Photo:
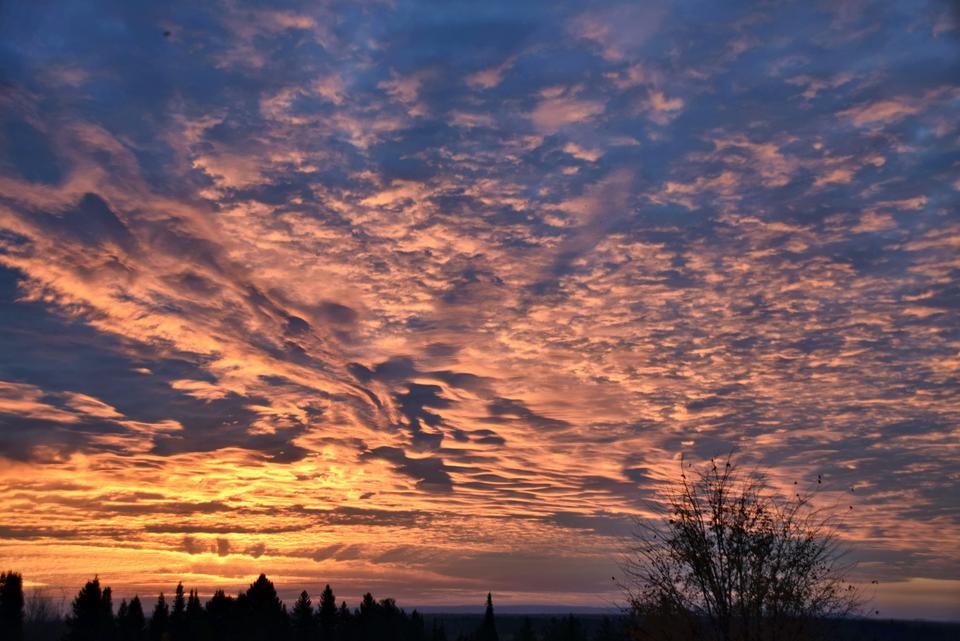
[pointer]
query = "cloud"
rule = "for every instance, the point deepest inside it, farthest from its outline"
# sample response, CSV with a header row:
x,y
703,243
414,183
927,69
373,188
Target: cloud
x,y
619,30
554,113
429,472
581,153
403,300
492,76
891,110
660,108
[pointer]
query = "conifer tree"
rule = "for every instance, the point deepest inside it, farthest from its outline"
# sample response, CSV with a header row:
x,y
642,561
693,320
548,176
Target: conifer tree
x,y
130,620
178,615
11,605
303,621
488,628
221,615
267,616
160,620
91,614
327,614
193,619
344,615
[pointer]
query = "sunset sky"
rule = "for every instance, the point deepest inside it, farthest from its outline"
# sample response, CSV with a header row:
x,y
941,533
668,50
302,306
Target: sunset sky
x,y
429,298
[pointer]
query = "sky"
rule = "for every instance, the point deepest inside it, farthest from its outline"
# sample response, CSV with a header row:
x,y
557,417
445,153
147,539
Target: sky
x,y
430,298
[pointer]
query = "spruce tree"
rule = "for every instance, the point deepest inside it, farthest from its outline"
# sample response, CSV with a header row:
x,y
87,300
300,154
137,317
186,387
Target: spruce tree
x,y
160,621
11,605
267,616
302,619
130,620
488,628
344,615
327,614
221,614
193,618
178,615
91,614
108,625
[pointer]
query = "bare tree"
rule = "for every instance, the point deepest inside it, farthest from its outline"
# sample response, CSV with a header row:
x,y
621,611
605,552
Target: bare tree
x,y
733,561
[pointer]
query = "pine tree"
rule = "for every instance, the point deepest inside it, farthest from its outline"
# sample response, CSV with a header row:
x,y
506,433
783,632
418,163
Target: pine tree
x,y
344,615
160,621
267,614
193,618
108,629
11,605
302,619
130,620
488,628
91,614
368,618
327,614
178,615
222,617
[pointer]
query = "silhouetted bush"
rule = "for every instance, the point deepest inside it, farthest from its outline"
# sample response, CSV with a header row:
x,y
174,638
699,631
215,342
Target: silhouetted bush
x,y
733,561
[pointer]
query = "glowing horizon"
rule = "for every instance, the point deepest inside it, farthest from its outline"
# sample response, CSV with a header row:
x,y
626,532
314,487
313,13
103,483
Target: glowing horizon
x,y
429,299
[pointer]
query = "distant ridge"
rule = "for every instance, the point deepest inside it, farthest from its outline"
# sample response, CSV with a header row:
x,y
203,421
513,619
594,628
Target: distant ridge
x,y
532,609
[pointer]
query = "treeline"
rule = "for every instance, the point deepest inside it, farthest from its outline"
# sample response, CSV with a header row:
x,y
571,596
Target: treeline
x,y
258,614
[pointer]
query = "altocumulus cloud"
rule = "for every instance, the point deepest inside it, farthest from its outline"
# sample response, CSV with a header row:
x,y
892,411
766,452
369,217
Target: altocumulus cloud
x,y
410,294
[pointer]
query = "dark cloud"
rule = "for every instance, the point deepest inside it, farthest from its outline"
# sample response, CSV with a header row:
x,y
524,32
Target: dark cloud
x,y
430,472
504,410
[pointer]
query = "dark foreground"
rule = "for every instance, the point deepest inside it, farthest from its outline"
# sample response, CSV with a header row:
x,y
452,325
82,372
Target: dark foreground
x,y
595,627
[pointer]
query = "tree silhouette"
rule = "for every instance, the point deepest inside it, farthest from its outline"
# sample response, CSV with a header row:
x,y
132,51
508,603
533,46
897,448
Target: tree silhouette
x,y
303,621
222,616
488,628
194,619
178,615
91,617
327,614
160,620
262,611
344,622
131,624
735,562
11,605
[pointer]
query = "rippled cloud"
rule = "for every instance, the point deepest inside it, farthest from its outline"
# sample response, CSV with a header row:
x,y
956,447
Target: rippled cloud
x,y
429,299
